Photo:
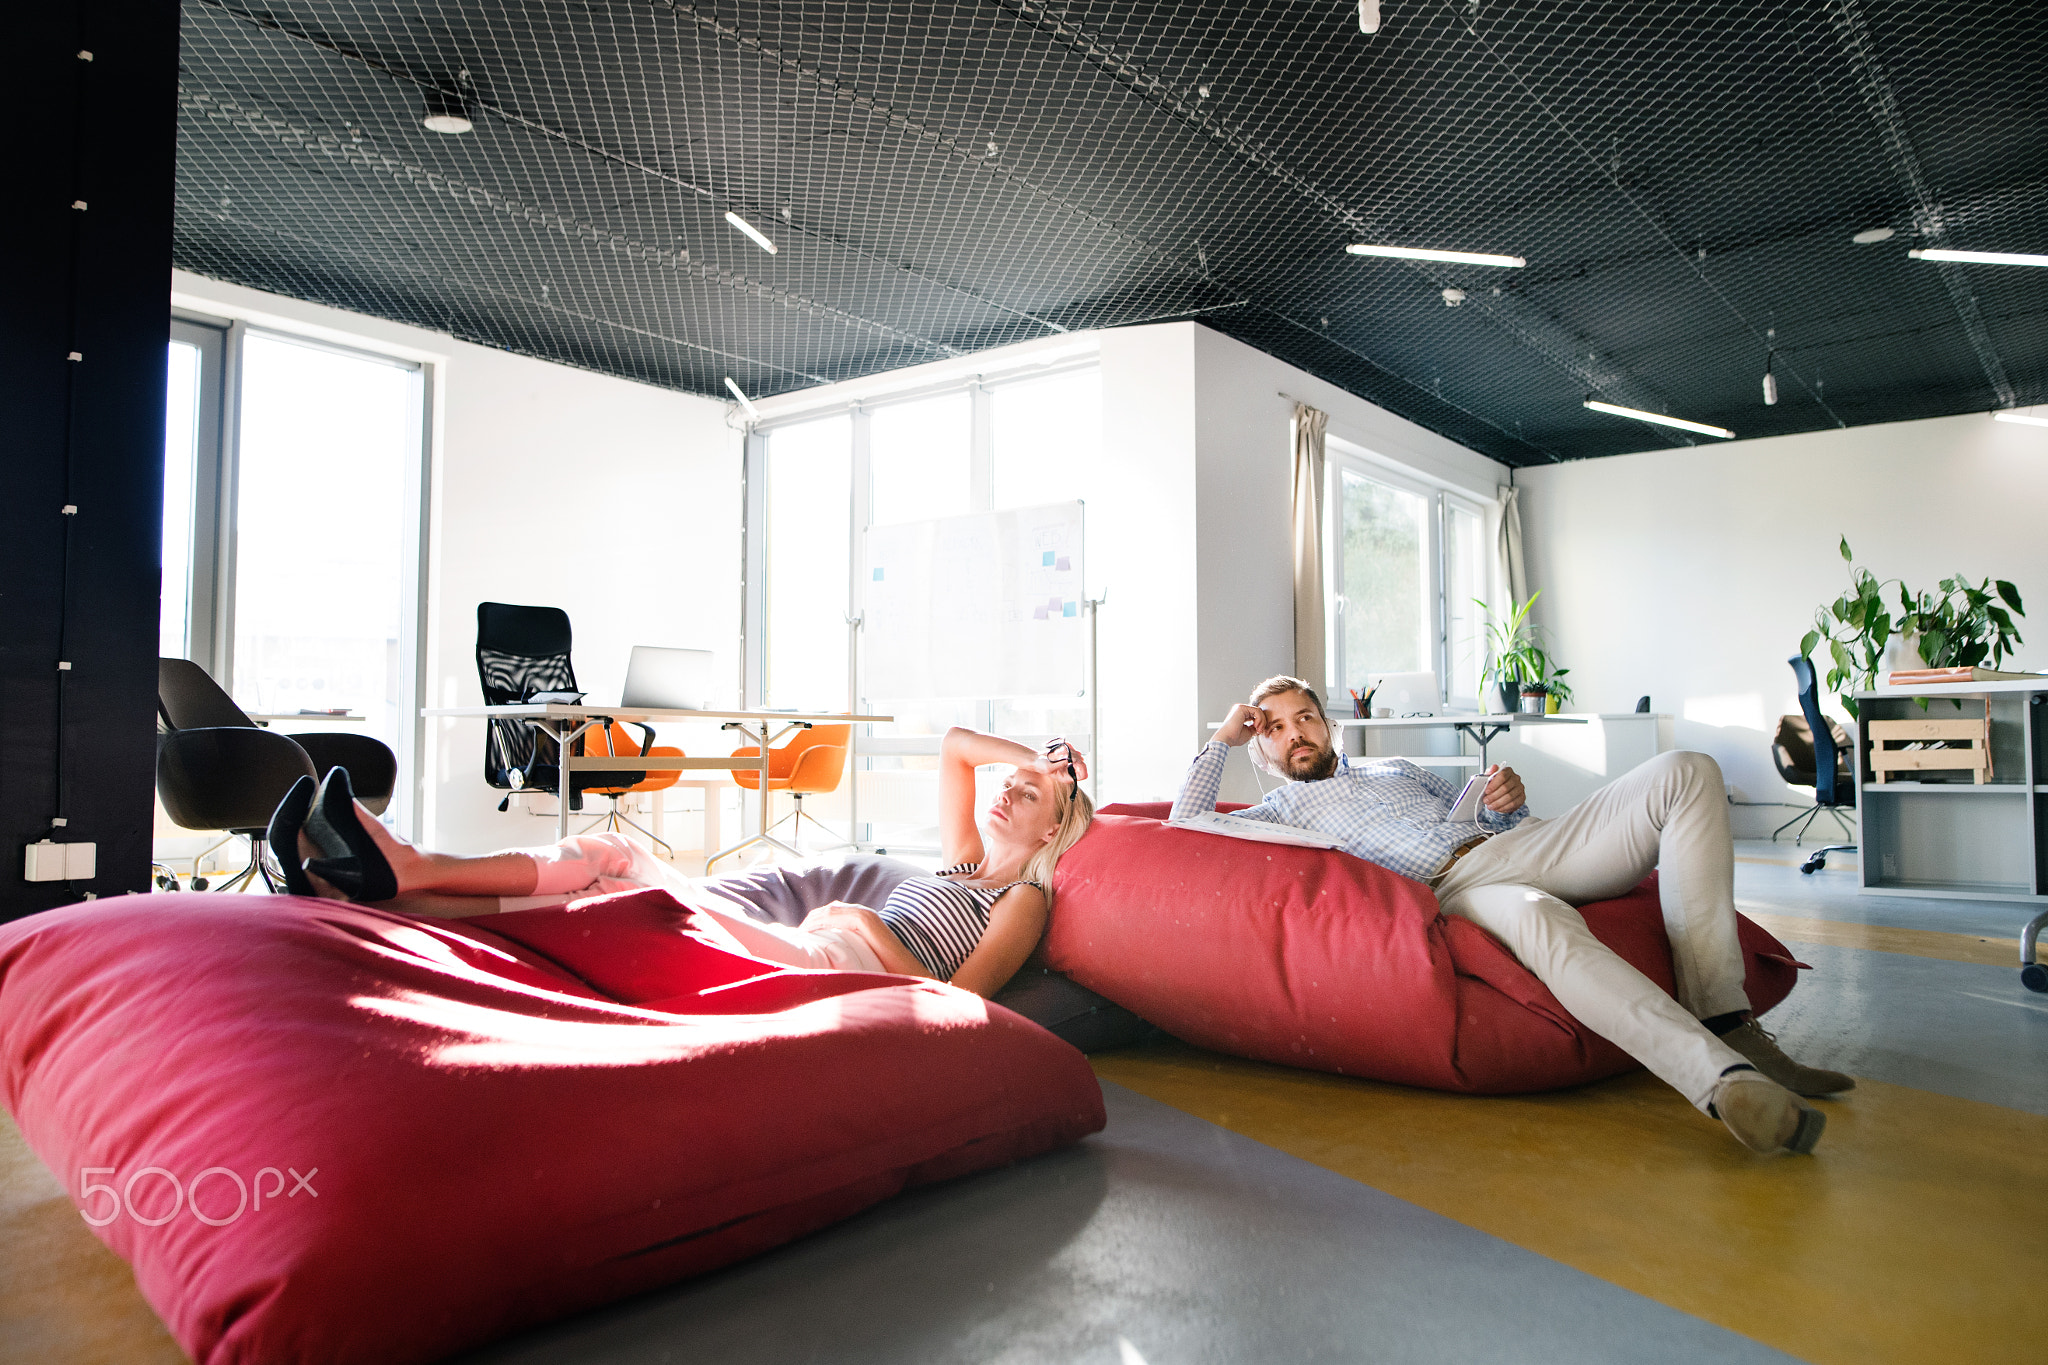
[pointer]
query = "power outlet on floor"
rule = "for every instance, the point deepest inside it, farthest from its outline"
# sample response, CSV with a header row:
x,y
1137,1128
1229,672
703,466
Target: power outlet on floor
x,y
1891,864
50,861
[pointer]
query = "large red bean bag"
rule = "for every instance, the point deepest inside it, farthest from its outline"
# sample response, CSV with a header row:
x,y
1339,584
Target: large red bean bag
x,y
326,1133
1322,960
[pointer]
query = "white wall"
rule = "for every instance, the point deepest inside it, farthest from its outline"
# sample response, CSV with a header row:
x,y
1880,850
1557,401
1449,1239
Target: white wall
x,y
1692,574
618,502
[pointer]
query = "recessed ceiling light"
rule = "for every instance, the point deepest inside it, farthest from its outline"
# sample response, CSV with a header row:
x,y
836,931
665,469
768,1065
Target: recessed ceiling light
x,y
1453,297
2024,418
1368,16
1934,253
759,240
446,113
1660,419
1870,236
745,401
1409,253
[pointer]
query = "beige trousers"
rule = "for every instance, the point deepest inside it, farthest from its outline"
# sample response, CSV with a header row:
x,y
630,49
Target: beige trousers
x,y
1670,814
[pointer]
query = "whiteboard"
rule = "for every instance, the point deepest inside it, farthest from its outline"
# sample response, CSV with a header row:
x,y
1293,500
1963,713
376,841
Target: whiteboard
x,y
985,605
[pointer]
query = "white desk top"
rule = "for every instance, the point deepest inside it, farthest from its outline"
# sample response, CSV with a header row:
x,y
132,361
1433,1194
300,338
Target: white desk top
x,y
559,711
298,717
1958,689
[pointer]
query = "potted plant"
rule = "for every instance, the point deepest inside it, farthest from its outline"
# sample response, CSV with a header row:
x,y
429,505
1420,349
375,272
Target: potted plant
x,y
1962,625
1512,653
1517,665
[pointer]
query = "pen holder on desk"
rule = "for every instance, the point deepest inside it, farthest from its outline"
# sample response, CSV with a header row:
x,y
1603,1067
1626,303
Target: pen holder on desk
x,y
1358,707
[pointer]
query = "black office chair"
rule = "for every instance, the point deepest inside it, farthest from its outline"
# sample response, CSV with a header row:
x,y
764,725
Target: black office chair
x,y
522,655
218,769
1812,751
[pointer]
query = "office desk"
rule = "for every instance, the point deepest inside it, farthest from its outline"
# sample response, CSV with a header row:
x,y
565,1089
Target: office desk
x,y
565,724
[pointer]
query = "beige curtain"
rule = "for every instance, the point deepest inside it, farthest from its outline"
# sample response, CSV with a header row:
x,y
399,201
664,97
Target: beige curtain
x,y
1310,618
1514,573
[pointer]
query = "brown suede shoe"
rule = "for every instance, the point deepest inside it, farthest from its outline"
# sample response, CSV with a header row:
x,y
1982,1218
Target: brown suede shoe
x,y
1761,1050
1765,1116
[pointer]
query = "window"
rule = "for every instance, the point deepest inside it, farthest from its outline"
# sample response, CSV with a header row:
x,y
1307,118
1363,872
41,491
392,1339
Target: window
x,y
292,550
823,481
809,476
1405,563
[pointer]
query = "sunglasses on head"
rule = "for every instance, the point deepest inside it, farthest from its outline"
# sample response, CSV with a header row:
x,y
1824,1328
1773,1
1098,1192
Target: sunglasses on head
x,y
1054,746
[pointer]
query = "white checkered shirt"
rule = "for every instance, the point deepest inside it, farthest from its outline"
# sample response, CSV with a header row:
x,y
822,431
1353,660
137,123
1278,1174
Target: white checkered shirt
x,y
1385,810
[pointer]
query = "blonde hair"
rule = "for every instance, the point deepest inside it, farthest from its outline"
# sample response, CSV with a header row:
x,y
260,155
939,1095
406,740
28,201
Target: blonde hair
x,y
1075,810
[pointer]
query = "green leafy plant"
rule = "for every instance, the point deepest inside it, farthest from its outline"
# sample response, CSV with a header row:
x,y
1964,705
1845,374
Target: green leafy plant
x,y
1515,656
1961,625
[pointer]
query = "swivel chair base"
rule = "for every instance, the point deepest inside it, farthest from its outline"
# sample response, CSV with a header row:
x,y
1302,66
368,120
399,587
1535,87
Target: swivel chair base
x,y
1818,859
1806,818
2033,973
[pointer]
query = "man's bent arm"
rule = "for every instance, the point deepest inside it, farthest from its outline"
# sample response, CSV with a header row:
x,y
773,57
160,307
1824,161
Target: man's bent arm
x,y
1198,788
1205,775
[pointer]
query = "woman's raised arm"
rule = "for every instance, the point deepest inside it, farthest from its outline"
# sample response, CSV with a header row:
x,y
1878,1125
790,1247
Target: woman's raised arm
x,y
960,753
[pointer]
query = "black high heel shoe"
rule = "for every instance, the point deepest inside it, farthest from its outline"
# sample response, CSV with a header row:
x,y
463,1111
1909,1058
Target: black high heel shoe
x,y
349,860
283,836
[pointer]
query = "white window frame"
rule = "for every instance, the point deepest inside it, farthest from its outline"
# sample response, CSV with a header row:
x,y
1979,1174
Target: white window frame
x,y
1342,456
981,498
210,607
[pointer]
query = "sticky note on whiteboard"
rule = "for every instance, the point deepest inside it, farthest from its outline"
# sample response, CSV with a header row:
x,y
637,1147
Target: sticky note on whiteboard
x,y
1045,558
878,578
1063,564
1037,614
1069,609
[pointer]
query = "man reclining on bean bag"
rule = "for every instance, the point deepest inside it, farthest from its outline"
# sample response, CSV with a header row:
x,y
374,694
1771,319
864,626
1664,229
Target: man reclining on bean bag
x,y
1516,877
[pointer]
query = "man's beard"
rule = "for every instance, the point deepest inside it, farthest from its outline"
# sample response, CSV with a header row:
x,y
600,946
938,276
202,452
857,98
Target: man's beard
x,y
1309,765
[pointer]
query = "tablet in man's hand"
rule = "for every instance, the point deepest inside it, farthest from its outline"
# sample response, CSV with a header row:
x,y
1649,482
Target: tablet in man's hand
x,y
1465,809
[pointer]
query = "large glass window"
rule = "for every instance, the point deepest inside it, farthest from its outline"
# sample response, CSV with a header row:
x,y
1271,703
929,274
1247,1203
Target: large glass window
x,y
1406,562
1384,579
1046,438
1465,578
920,459
181,450
983,447
810,478
326,441
291,551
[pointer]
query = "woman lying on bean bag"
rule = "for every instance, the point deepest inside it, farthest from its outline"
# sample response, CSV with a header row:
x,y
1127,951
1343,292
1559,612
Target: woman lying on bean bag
x,y
972,925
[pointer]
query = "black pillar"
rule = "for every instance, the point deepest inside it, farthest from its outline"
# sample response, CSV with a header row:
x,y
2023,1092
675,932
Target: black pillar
x,y
83,328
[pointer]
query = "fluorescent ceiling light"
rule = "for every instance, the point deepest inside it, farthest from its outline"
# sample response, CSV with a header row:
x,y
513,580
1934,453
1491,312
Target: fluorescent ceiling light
x,y
744,226
1661,420
1871,236
1935,253
745,401
2025,418
1409,253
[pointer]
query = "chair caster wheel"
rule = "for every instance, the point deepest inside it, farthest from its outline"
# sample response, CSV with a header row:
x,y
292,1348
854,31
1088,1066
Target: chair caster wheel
x,y
167,884
2034,976
1813,864
199,883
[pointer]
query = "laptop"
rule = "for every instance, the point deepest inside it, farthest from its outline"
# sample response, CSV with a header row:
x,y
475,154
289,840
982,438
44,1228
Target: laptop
x,y
660,679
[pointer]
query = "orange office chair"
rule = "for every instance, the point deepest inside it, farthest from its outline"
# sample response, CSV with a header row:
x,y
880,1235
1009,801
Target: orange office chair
x,y
810,764
611,741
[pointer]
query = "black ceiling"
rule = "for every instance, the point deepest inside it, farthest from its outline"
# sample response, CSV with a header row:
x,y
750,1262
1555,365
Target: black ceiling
x,y
1683,178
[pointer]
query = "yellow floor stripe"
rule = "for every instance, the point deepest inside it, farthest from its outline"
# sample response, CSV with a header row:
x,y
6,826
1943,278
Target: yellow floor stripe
x,y
1980,949
1915,1234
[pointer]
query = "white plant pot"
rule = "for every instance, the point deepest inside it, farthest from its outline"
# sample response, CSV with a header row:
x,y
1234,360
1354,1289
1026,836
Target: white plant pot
x,y
1903,652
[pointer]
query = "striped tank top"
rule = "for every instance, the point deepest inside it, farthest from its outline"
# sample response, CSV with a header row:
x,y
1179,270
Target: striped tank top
x,y
940,921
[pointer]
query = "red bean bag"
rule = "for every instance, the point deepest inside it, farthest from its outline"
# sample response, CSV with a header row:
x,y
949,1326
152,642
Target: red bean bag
x,y
326,1133
1323,960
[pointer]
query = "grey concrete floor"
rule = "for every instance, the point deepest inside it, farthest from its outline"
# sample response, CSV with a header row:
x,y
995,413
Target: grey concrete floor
x,y
1166,1240
1163,1240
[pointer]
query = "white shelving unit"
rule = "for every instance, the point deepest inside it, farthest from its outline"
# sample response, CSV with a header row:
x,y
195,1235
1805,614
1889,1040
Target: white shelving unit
x,y
1960,839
